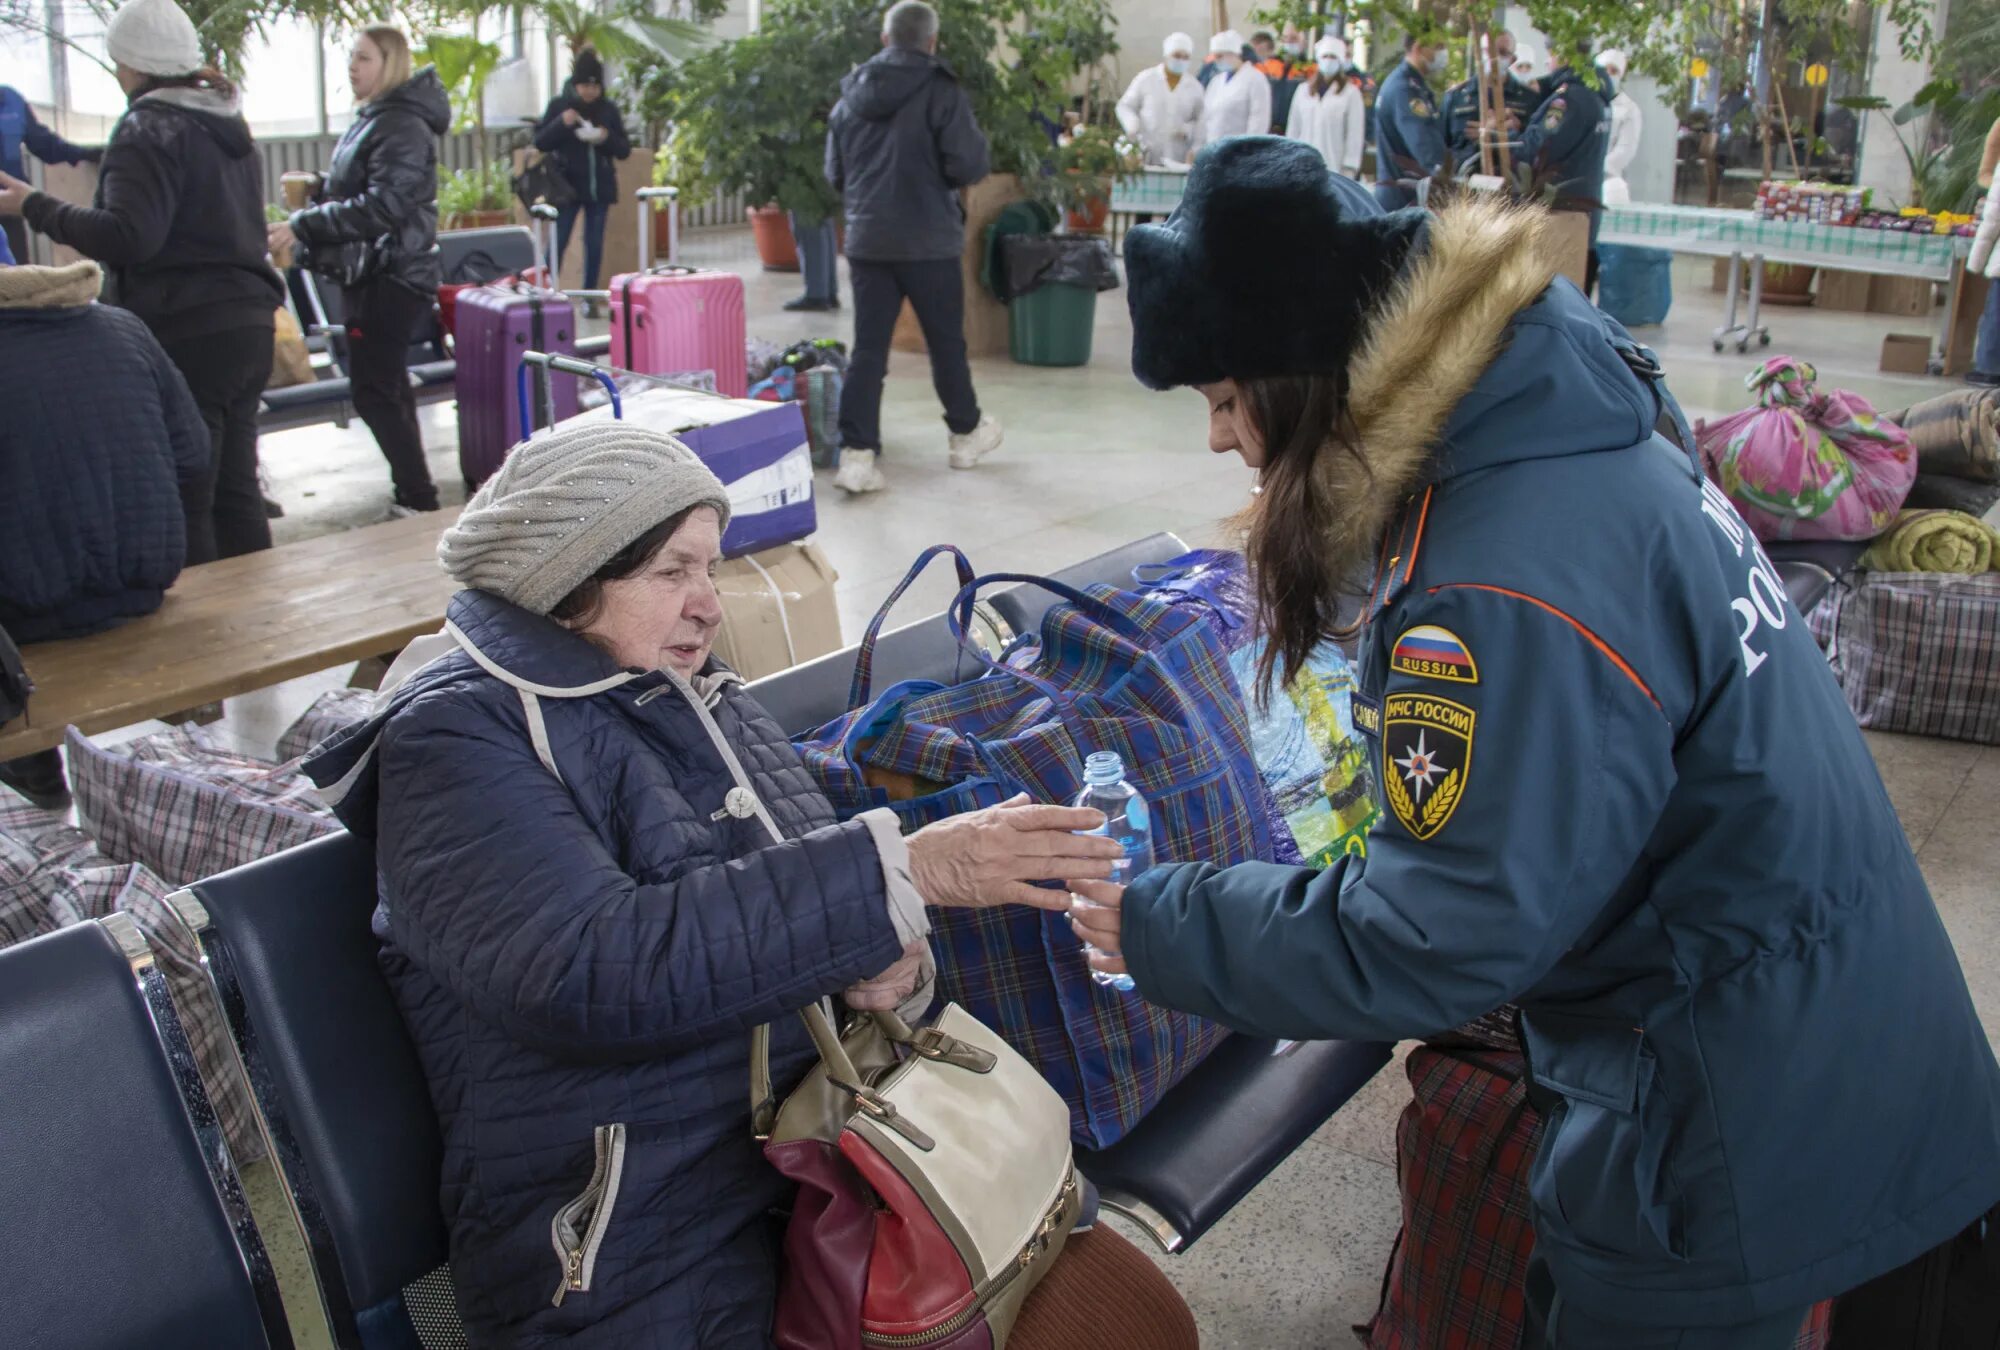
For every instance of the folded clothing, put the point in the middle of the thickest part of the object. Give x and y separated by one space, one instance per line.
1935 541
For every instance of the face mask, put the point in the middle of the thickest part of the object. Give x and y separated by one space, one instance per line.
1439 64
1177 65
1228 64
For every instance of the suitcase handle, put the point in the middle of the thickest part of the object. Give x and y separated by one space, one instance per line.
646 197
569 365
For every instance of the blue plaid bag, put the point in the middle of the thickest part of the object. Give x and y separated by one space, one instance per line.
1109 670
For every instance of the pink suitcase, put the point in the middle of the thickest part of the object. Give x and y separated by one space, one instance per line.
670 320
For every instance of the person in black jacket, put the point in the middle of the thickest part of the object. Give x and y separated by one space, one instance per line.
375 230
178 221
585 135
901 143
101 493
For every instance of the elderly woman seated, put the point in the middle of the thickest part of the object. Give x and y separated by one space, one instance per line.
601 867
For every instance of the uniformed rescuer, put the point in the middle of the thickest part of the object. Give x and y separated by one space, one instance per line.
1409 132
1621 789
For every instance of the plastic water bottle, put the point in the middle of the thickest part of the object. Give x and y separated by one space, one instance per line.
1126 820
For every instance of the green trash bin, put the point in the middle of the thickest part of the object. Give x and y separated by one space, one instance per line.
1051 326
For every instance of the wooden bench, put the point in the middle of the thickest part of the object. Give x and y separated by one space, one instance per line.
240 624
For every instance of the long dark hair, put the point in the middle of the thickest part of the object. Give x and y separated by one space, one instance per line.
208 77
580 608
1291 529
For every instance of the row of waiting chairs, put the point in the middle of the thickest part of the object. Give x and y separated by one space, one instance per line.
127 1223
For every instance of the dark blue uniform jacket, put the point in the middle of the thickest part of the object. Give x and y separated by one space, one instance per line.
1621 789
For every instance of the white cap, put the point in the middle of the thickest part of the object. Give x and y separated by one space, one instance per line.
1524 58
1331 50
1613 61
1177 42
1228 41
154 37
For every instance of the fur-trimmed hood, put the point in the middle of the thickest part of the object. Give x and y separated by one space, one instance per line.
1474 359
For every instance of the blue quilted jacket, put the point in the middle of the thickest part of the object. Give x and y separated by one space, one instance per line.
581 945
93 528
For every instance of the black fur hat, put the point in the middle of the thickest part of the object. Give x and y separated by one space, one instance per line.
1268 267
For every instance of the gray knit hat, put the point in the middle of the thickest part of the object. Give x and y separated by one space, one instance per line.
564 504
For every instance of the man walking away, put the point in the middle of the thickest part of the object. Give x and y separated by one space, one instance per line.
901 144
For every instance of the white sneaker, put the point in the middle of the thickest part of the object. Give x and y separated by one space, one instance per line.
859 472
975 445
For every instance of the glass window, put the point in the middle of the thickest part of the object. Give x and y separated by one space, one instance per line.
278 80
25 58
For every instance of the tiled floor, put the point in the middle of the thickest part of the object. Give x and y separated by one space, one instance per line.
1091 461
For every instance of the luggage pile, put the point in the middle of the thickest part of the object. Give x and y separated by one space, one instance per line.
1912 627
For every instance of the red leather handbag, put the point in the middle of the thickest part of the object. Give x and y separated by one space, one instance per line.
936 1185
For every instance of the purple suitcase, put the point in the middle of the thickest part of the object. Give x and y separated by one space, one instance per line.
495 325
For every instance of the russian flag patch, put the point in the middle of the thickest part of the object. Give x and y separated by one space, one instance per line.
1433 653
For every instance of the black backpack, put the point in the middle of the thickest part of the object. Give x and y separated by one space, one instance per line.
15 686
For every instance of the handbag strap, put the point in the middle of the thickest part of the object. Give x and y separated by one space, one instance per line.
864 657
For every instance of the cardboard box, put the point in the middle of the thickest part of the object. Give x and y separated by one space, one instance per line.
759 450
1969 294
1846 292
777 610
1567 244
1906 354
1910 297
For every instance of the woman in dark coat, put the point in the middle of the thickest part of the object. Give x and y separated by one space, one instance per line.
602 867
375 229
178 223
1622 790
584 133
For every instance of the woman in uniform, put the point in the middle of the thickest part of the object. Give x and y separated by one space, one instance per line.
1620 787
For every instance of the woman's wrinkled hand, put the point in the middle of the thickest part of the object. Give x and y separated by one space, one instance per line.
894 986
988 857
1097 914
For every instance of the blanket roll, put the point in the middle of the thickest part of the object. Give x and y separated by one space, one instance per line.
1956 433
1934 541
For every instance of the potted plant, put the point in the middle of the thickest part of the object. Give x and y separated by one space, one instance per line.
750 116
476 198
1088 161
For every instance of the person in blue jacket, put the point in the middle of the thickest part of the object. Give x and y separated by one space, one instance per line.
1621 789
19 127
1461 102
585 133
1409 126
603 869
1566 139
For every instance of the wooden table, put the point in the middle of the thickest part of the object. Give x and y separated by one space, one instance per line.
241 624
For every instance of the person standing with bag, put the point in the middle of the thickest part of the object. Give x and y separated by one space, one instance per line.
584 133
177 223
374 232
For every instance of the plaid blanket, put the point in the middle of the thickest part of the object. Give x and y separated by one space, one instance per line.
52 876
1113 670
335 710
1917 652
186 808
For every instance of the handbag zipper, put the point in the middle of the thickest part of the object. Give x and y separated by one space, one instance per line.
993 1288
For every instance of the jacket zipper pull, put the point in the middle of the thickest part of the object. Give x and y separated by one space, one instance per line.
572 1277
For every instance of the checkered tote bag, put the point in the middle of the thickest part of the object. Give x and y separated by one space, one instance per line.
1109 670
1917 652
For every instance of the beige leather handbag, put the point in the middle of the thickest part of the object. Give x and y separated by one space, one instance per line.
936 1184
